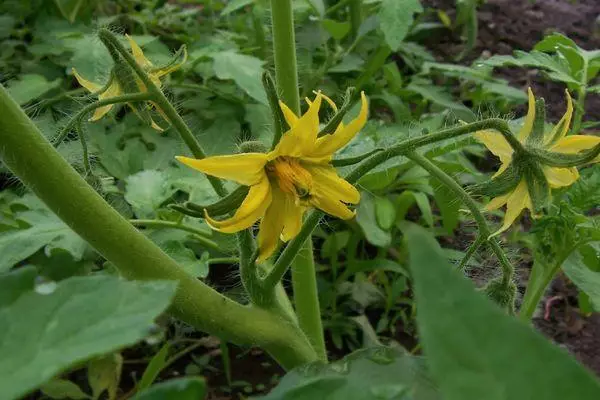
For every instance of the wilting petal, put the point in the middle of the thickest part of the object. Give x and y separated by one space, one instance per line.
252 208
155 126
528 124
271 225
292 219
112 91
90 86
327 182
497 144
329 144
301 138
517 201
575 143
562 127
138 54
560 177
245 169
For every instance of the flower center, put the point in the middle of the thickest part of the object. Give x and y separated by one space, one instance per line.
291 177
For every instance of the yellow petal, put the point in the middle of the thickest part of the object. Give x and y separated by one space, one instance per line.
327 183
528 125
331 206
497 144
290 117
271 225
245 169
560 177
517 201
329 144
90 86
252 208
292 219
112 91
564 123
503 167
575 143
301 138
138 54
328 100
497 202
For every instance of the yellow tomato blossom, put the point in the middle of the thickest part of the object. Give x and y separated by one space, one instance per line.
295 175
553 141
113 88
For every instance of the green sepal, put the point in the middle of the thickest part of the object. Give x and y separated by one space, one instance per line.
176 60
501 294
182 209
252 146
333 123
503 183
563 160
536 137
279 123
225 205
538 187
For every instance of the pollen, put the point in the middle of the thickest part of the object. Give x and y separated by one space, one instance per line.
291 176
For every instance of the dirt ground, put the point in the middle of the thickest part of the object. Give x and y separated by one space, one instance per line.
507 25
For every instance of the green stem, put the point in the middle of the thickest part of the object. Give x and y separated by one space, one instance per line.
303 268
355 16
40 167
581 93
471 251
163 103
200 235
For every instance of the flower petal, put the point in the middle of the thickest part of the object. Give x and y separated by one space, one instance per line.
328 183
575 143
301 138
562 127
332 206
329 144
517 201
112 91
497 202
252 208
292 219
290 117
245 169
560 177
271 225
138 54
90 86
497 144
528 124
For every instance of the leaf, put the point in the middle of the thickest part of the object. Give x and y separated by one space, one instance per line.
439 96
186 258
385 212
337 30
175 389
556 69
396 17
366 219
69 8
15 283
448 203
424 206
146 191
63 389
30 86
104 374
45 230
375 373
80 319
245 70
585 279
474 349
154 367
235 5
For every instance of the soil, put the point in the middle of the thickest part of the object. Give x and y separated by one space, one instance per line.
507 25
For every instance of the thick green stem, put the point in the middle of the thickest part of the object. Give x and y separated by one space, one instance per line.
163 103
303 268
39 166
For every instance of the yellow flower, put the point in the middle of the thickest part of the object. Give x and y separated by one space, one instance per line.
297 174
114 88
554 141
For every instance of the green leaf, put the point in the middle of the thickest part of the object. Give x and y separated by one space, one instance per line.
30 86
154 367
186 258
245 70
396 17
585 279
337 30
424 206
176 389
440 97
235 5
474 349
104 374
45 230
69 8
15 283
80 319
63 389
366 219
555 69
385 212
375 373
146 191
448 203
